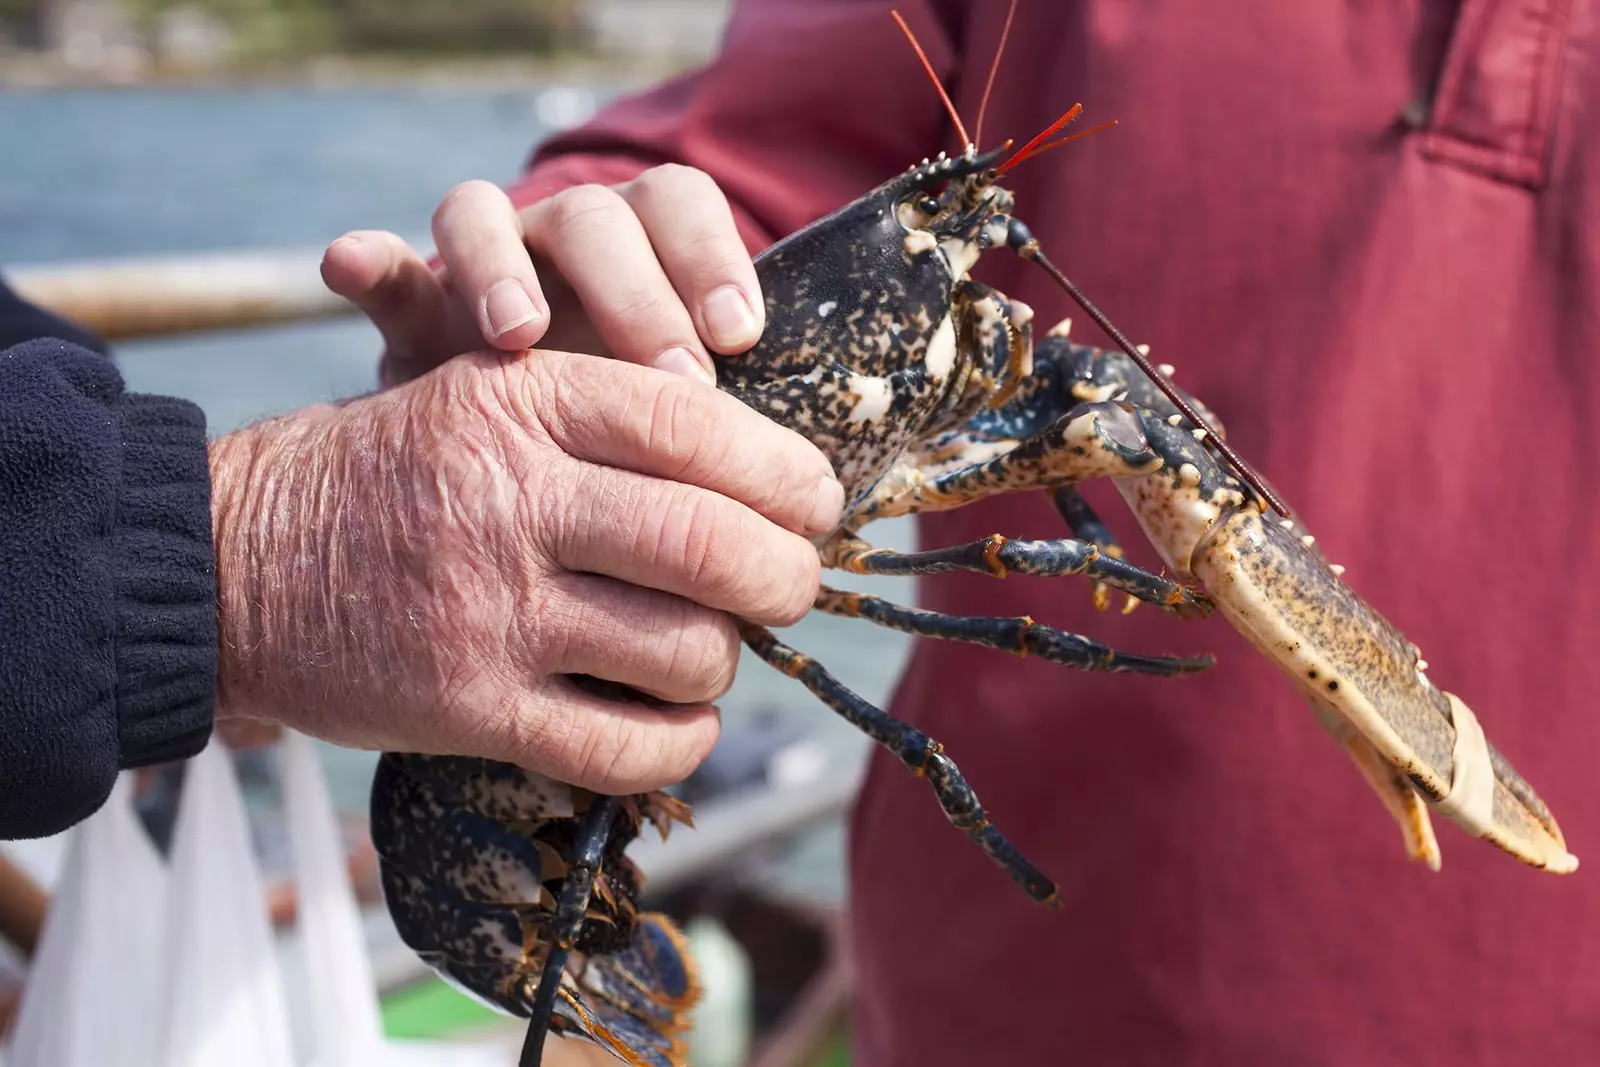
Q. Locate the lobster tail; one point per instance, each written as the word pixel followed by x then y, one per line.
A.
pixel 475 857
pixel 635 1003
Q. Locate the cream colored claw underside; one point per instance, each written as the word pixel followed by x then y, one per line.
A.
pixel 1284 612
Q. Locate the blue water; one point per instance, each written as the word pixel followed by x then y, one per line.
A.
pixel 99 174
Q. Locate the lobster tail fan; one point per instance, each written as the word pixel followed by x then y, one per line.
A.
pixel 634 1003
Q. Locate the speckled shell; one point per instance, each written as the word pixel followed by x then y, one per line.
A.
pixel 861 352
pixel 472 855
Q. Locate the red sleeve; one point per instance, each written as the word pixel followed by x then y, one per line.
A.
pixel 808 105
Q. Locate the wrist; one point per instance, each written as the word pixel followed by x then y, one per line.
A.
pixel 268 481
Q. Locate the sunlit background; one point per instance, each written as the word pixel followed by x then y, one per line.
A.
pixel 136 128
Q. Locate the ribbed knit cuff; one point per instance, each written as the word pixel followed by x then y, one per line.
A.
pixel 166 645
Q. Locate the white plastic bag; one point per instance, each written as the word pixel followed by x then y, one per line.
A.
pixel 145 964
pixel 92 997
pixel 344 1005
pixel 227 1004
pixel 347 1026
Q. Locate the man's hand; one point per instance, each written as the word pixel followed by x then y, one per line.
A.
pixel 652 271
pixel 418 569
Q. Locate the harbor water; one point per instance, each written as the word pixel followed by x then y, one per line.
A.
pixel 93 174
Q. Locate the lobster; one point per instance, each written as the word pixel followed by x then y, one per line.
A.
pixel 925 390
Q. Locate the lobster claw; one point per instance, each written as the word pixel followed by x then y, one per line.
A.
pixel 1412 741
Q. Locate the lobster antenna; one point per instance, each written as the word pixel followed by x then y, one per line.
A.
pixel 1030 250
pixel 1068 139
pixel 1022 153
pixel 994 68
pixel 934 77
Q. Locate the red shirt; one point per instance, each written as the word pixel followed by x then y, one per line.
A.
pixel 1397 320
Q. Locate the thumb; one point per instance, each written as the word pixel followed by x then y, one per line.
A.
pixel 402 296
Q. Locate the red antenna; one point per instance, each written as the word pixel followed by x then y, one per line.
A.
pixel 994 68
pixel 1036 146
pixel 1058 142
pixel 933 77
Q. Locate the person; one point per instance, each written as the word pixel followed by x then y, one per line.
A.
pixel 421 569
pixel 1369 238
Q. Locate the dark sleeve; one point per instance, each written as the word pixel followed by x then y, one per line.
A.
pixel 21 321
pixel 108 633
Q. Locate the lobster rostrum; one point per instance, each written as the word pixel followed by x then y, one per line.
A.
pixel 924 389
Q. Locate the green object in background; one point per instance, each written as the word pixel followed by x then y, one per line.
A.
pixel 839 1055
pixel 433 1009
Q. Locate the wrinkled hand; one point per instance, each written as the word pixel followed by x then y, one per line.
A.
pixel 652 271
pixel 418 569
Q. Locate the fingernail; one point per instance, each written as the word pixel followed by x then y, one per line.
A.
pixel 828 507
pixel 729 320
pixel 508 306
pixel 681 361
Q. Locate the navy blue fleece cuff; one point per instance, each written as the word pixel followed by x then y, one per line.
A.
pixel 108 631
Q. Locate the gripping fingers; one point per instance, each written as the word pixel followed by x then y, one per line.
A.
pixel 692 229
pixel 679 539
pixel 563 730
pixel 480 240
pixel 606 412
pixel 593 238
pixel 659 644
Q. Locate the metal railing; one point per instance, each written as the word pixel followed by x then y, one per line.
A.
pixel 159 296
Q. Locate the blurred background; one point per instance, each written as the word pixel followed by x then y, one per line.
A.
pixel 169 164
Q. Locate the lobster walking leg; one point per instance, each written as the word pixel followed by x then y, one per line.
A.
pixel 1020 635
pixel 999 556
pixel 1098 440
pixel 1087 526
pixel 593 833
pixel 921 753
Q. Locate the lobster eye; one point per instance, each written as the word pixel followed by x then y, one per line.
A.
pixel 928 206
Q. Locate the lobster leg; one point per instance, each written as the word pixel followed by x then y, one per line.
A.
pixel 1019 635
pixel 568 920
pixel 998 556
pixel 1101 440
pixel 1086 525
pixel 921 753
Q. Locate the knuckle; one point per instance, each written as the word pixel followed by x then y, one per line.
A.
pixel 584 207
pixel 564 739
pixel 550 392
pixel 702 659
pixel 676 432
pixel 792 468
pixel 711 257
pixel 675 179
pixel 463 194
pixel 615 756
pixel 795 586
pixel 704 545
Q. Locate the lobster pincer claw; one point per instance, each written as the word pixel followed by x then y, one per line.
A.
pixel 1369 686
